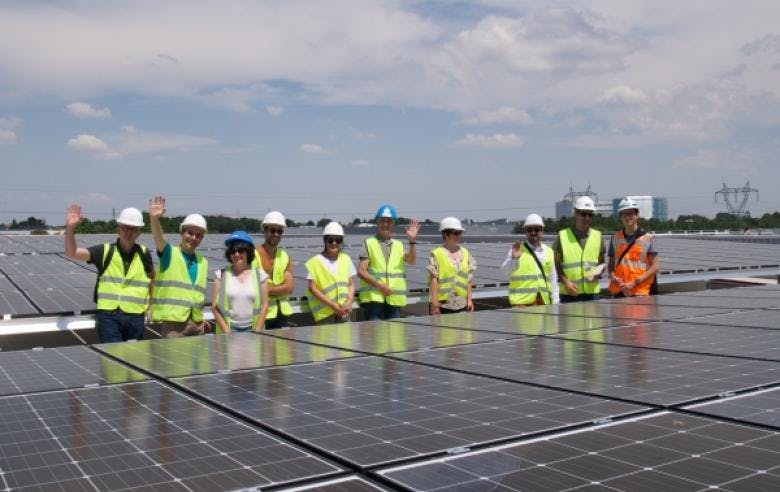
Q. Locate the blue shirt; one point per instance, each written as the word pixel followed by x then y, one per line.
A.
pixel 189 260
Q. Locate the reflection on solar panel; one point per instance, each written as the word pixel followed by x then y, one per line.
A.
pixel 59 368
pixel 761 407
pixel 666 452
pixel 135 436
pixel 373 410
pixel 214 353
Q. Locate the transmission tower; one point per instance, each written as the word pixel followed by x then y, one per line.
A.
pixel 736 199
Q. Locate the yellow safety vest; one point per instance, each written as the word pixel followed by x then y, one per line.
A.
pixel 277 303
pixel 127 292
pixel 526 281
pixel 451 280
pixel 577 261
pixel 223 302
pixel 389 271
pixel 175 298
pixel 335 288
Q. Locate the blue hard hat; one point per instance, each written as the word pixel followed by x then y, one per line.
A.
pixel 386 211
pixel 236 236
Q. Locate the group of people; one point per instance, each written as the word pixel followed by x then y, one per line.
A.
pixel 253 291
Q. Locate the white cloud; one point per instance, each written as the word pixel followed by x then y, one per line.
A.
pixel 134 142
pixel 711 159
pixel 504 114
pixel 623 94
pixel 361 135
pixel 128 129
pixel 274 110
pixel 87 143
pixel 8 128
pixel 497 140
pixel 315 149
pixel 84 110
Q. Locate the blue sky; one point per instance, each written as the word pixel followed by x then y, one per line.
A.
pixel 476 109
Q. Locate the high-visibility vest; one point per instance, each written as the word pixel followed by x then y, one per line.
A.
pixel 127 292
pixel 451 280
pixel 634 264
pixel 175 297
pixel 276 303
pixel 576 261
pixel 389 271
pixel 223 302
pixel 335 288
pixel 526 281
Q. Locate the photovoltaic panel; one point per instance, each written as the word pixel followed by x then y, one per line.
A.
pixel 719 340
pixel 640 375
pixel 139 436
pixel 761 407
pixel 767 319
pixel 207 354
pixel 14 303
pixel 733 303
pixel 346 484
pixel 669 452
pixel 27 371
pixel 636 311
pixel 22 341
pixel 754 292
pixel 374 410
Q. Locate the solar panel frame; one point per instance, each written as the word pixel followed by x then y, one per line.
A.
pixel 760 407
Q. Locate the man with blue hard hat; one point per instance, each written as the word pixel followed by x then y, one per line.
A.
pixel 382 268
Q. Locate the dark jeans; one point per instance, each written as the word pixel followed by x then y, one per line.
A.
pixel 380 310
pixel 116 326
pixel 579 298
pixel 278 322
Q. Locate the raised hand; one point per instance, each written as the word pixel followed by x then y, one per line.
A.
pixel 73 216
pixel 157 206
pixel 412 229
pixel 517 250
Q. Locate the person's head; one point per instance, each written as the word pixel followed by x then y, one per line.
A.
pixel 584 209
pixel 192 228
pixel 451 230
pixel 385 220
pixel 129 224
pixel 239 248
pixel 628 210
pixel 333 237
pixel 533 226
pixel 274 225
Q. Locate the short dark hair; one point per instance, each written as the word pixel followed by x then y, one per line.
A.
pixel 241 245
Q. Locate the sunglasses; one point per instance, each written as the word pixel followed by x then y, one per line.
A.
pixel 334 239
pixel 238 249
pixel 533 229
pixel 454 233
pixel 586 214
pixel 275 231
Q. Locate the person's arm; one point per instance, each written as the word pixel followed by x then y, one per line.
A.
pixel 287 285
pixel 316 292
pixel 555 295
pixel 263 306
pixel 215 310
pixel 433 292
pixel 72 219
pixel 410 257
pixel 156 210
pixel 350 296
pixel 469 285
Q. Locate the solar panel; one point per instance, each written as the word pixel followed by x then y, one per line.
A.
pixel 14 303
pixel 640 375
pixel 665 452
pixel 136 436
pixel 214 353
pixel 760 407
pixel 372 410
pixel 346 484
pixel 628 310
pixel 699 301
pixel 768 319
pixel 30 371
pixel 754 292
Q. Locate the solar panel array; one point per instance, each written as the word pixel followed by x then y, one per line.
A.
pixel 609 395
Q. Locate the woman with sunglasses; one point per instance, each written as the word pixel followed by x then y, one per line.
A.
pixel 331 284
pixel 450 271
pixel 240 299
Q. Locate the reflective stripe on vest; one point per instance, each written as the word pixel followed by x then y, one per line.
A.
pixel 389 271
pixel 633 265
pixel 223 301
pixel 526 281
pixel 450 280
pixel 276 278
pixel 576 260
pixel 334 288
pixel 175 298
pixel 117 290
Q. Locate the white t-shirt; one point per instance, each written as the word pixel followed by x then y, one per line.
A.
pixel 241 297
pixel 332 267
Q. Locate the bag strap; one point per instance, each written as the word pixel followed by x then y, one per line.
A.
pixel 536 259
pixel 102 267
pixel 639 233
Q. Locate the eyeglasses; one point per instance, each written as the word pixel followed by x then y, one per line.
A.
pixel 585 214
pixel 275 231
pixel 239 250
pixel 533 229
pixel 334 239
pixel 454 232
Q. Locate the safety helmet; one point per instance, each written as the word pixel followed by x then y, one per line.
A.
pixel 386 211
pixel 450 223
pixel 584 203
pixel 333 229
pixel 275 218
pixel 533 220
pixel 627 204
pixel 239 236
pixel 194 220
pixel 130 217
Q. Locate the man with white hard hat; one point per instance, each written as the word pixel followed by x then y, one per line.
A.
pixel 277 264
pixel 579 255
pixel 450 271
pixel 533 280
pixel 182 273
pixel 382 268
pixel 125 272
pixel 633 260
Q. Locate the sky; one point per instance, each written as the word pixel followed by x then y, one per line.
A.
pixel 483 109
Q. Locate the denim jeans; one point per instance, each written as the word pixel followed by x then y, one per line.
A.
pixel 116 326
pixel 380 310
pixel 279 322
pixel 579 298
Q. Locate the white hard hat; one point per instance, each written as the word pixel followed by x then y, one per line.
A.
pixel 450 223
pixel 275 218
pixel 333 229
pixel 130 217
pixel 584 203
pixel 533 220
pixel 627 204
pixel 194 220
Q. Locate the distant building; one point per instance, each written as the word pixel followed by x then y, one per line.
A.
pixel 650 207
pixel 564 208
